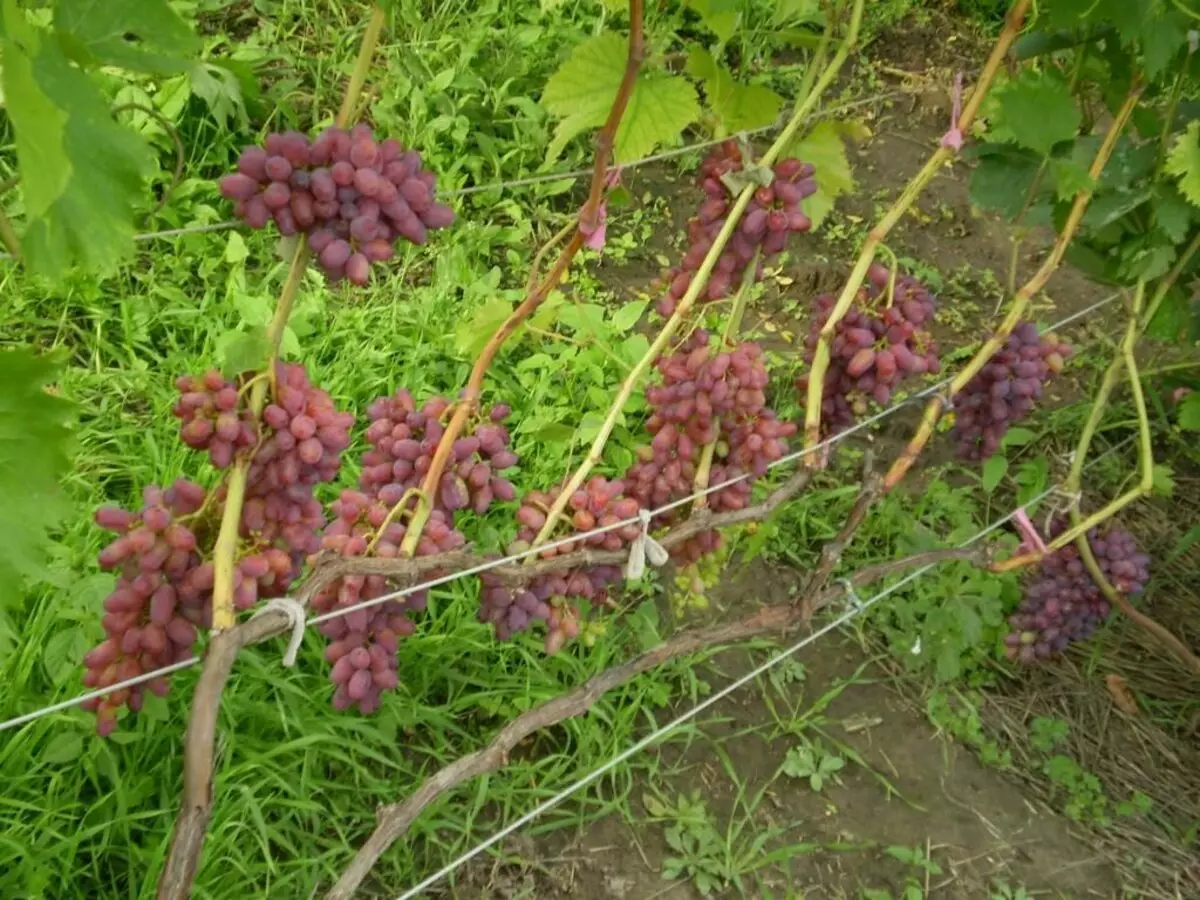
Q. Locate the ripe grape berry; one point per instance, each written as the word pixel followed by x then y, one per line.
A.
pixel 161 596
pixel 1005 389
pixel 549 598
pixel 1062 603
pixel 351 196
pixel 404 439
pixel 774 213
pixel 363 642
pixel 875 345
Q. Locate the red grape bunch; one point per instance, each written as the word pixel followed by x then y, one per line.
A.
pixel 774 213
pixel 404 439
pixel 1062 603
pixel 160 598
pixel 352 196
pixel 707 394
pixel 363 642
pixel 874 346
pixel 213 417
pixel 1005 389
pixel 548 598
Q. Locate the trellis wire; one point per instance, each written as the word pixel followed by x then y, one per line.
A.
pixel 694 711
pixel 548 178
pixel 517 557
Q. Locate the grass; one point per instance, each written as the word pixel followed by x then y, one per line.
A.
pixel 297 783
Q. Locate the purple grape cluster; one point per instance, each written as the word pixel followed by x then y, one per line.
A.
pixel 876 344
pixel 363 642
pixel 1062 603
pixel 773 214
pixel 404 439
pixel 213 417
pixel 354 197
pixel 549 598
pixel 707 393
pixel 161 596
pixel 1005 390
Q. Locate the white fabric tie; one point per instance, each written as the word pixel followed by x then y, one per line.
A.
pixel 296 620
pixel 644 548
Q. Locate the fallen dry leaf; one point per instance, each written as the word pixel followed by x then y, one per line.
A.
pixel 1121 695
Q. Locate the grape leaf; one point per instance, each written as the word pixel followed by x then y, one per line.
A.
pixel 803 11
pixel 740 107
pixel 143 35
pixel 719 16
pixel 581 93
pixel 994 470
pixel 1162 36
pixel 35 430
pixel 1189 412
pixel 1002 178
pixel 1172 214
pixel 1184 162
pixel 82 173
pixel 824 148
pixel 1038 111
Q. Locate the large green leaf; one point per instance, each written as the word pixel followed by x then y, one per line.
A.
pixel 35 430
pixel 82 173
pixel 825 149
pixel 740 107
pixel 1038 111
pixel 1002 178
pixel 144 35
pixel 582 91
pixel 720 16
pixel 1184 162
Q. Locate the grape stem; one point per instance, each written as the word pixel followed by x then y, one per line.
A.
pixel 1020 303
pixel 820 364
pixel 586 223
pixel 394 820
pixel 1123 361
pixel 732 324
pixel 1168 281
pixel 700 280
pixel 191 826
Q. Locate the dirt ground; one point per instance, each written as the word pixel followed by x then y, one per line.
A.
pixel 902 785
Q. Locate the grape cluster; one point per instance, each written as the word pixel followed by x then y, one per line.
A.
pixel 1005 389
pixel 774 213
pixel 354 197
pixel 213 417
pixel 883 337
pixel 1062 603
pixel 548 598
pixel 363 642
pixel 707 394
pixel 302 445
pixel 161 596
pixel 404 438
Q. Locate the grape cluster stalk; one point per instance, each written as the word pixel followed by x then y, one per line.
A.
pixel 775 213
pixel 352 196
pixel 1005 390
pixel 883 337
pixel 1062 604
pixel 552 598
